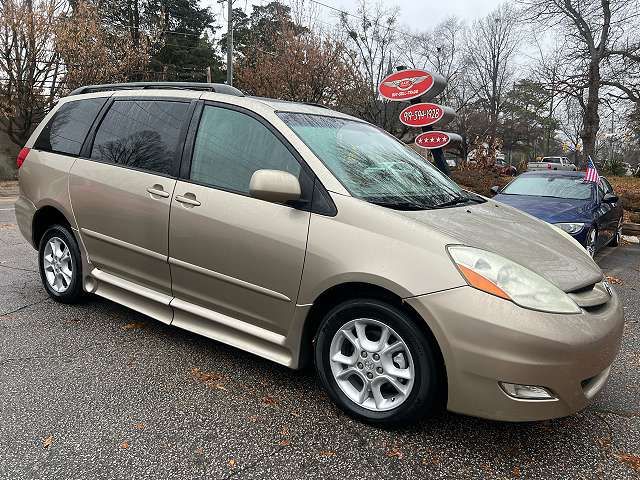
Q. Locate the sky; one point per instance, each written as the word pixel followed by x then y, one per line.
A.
pixel 415 15
pixel 419 15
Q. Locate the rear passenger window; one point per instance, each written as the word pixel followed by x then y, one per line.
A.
pixel 69 126
pixel 230 146
pixel 142 134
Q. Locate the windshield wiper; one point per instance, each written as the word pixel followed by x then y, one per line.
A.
pixel 401 205
pixel 458 200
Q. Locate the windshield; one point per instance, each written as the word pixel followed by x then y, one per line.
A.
pixel 574 188
pixel 373 165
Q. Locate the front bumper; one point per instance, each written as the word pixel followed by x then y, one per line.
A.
pixel 485 340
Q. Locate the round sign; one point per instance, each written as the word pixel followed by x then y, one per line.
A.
pixel 424 114
pixel 406 84
pixel 436 139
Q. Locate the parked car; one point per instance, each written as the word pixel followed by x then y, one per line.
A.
pixel 503 168
pixel 252 222
pixel 589 212
pixel 552 163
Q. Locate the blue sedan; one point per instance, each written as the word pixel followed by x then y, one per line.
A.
pixel 590 212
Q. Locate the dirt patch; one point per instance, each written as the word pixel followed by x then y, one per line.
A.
pixel 479 181
pixel 628 189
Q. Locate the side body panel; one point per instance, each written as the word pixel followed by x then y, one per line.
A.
pixel 236 256
pixel 123 226
pixel 354 247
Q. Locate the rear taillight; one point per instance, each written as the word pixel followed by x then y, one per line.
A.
pixel 22 156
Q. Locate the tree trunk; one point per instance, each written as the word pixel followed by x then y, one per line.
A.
pixel 591 117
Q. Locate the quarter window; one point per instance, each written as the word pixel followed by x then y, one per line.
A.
pixel 67 129
pixel 142 134
pixel 230 146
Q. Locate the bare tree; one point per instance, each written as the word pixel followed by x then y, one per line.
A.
pixel 602 50
pixel 491 47
pixel 371 38
pixel 30 66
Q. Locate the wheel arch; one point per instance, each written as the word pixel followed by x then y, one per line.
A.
pixel 353 290
pixel 43 218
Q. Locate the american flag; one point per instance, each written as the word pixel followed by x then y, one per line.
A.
pixel 592 173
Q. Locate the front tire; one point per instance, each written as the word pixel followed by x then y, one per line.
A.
pixel 60 264
pixel 376 364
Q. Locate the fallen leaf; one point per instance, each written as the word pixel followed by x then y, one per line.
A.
pixel 46 442
pixel 253 418
pixel 295 414
pixel 210 379
pixel 284 442
pixel 138 426
pixel 269 400
pixel 124 444
pixel 327 453
pixel 630 460
pixel 134 326
pixel 199 450
pixel 232 463
pixel 614 280
pixel 284 431
pixel 516 471
pixel 395 453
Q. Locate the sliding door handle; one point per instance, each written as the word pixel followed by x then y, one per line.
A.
pixel 158 190
pixel 188 199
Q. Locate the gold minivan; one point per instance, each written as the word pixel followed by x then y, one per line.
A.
pixel 304 235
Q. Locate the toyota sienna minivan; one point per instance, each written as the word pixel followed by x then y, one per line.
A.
pixel 306 236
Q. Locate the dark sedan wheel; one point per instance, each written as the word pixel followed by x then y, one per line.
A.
pixel 592 238
pixel 615 241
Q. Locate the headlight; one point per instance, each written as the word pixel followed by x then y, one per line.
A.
pixel 570 228
pixel 498 276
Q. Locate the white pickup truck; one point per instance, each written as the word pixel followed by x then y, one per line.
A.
pixel 552 163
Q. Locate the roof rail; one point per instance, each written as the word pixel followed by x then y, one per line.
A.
pixel 207 87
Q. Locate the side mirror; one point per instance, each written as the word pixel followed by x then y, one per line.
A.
pixel 610 198
pixel 274 186
pixel 495 189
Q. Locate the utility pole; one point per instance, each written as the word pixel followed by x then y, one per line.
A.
pixel 229 40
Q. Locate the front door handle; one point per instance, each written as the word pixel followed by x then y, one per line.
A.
pixel 188 199
pixel 158 190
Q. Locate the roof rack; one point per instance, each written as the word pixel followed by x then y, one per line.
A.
pixel 290 101
pixel 206 87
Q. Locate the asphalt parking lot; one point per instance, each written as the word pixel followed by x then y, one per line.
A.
pixel 100 391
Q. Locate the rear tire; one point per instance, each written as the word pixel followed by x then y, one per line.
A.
pixel 60 264
pixel 371 356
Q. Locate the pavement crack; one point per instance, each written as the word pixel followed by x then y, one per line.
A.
pixel 18 268
pixel 4 314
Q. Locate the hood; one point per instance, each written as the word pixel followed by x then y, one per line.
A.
pixel 517 236
pixel 549 209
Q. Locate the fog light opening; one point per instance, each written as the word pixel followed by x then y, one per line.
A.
pixel 526 392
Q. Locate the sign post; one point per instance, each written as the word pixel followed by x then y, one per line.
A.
pixel 411 85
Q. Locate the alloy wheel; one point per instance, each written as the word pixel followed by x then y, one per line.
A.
pixel 58 265
pixel 372 364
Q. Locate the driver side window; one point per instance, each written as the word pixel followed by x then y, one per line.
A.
pixel 230 146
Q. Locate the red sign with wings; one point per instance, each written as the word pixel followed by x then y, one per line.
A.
pixel 434 139
pixel 406 84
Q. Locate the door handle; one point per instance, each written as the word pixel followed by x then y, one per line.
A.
pixel 158 190
pixel 188 199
